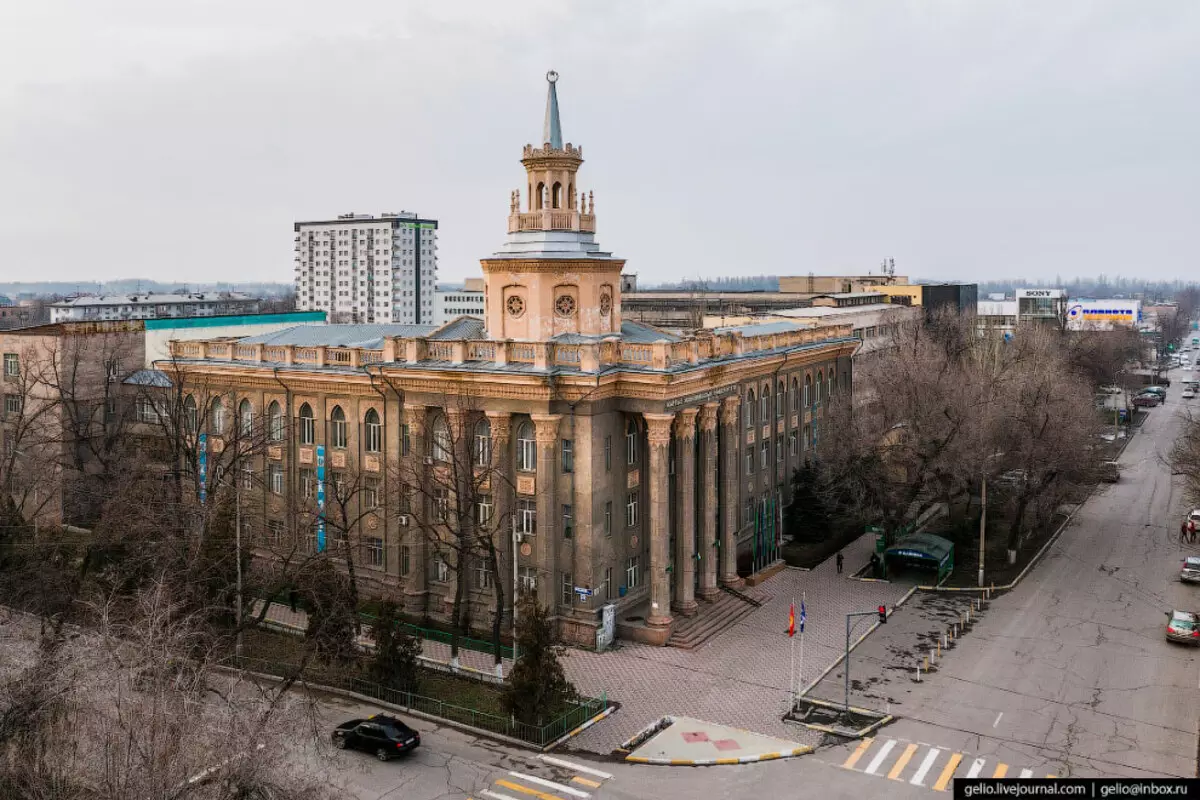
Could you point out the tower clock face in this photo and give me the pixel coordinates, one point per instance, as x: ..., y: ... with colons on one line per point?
x: 605, y: 303
x: 515, y: 306
x: 564, y: 305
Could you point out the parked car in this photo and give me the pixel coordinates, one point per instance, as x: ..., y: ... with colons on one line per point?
x: 1195, y: 516
x: 1158, y: 390
x: 1191, y: 570
x: 1183, y: 626
x: 1188, y: 394
x: 1147, y: 400
x: 1110, y: 472
x: 386, y: 737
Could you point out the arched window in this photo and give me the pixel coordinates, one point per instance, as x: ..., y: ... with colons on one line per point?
x: 780, y: 397
x: 372, y: 431
x: 443, y: 447
x: 246, y: 418
x: 631, y: 442
x: 217, y: 416
x: 807, y: 389
x: 570, y: 195
x: 541, y: 196
x: 275, y: 422
x: 337, y: 427
x: 483, y: 443
x: 795, y: 395
x: 526, y: 448
x: 764, y: 404
x: 308, y: 427
x: 817, y: 387
x: 556, y: 196
x: 829, y: 384
x: 191, y: 416
x: 749, y: 409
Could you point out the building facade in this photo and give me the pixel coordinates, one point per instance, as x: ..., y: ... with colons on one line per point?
x: 463, y: 300
x: 152, y: 306
x: 362, y: 268
x: 631, y: 465
x: 958, y: 298
x: 836, y: 284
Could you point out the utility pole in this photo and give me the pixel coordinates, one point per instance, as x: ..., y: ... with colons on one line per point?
x: 237, y: 516
x: 880, y: 612
x: 515, y: 587
x: 982, y: 528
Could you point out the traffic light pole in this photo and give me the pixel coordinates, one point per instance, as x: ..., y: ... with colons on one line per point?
x: 881, y: 613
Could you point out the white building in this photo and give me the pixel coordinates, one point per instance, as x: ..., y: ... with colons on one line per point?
x: 1103, y: 315
x: 458, y: 300
x: 361, y: 268
x: 152, y: 306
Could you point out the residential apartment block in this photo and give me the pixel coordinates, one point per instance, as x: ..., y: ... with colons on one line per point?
x: 152, y: 306
x: 362, y: 268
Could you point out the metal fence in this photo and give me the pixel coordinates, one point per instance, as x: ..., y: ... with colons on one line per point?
x: 537, y: 735
x: 433, y: 635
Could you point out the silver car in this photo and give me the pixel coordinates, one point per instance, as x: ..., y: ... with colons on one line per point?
x: 1183, y: 626
x: 1191, y: 570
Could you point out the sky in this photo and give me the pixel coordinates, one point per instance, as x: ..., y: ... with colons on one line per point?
x: 967, y: 140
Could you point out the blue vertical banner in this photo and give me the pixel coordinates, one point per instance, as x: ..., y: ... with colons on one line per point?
x: 202, y: 465
x: 320, y: 498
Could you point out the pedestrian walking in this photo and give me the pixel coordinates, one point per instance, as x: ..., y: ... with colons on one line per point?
x: 839, y: 563
x: 1183, y: 531
x: 1192, y: 531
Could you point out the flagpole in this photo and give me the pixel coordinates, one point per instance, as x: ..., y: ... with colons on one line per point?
x: 792, y: 676
x: 803, y: 614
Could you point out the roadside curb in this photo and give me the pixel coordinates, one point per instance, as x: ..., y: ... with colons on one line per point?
x: 580, y: 729
x: 717, y: 762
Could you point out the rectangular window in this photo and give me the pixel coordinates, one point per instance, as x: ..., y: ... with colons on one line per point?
x: 274, y: 532
x: 568, y: 456
x: 12, y: 405
x: 527, y: 517
x: 483, y: 577
x: 608, y: 518
x: 606, y: 587
x: 276, y: 475
x: 527, y: 454
x: 568, y: 589
x: 405, y: 441
x: 441, y: 504
x: 484, y: 507
x: 441, y: 570
x: 405, y: 559
x: 568, y: 522
x: 247, y: 529
x: 793, y: 444
x: 764, y: 454
x: 633, y: 571
x: 405, y: 499
x: 608, y: 454
x: 527, y: 577
x: 247, y: 477
x: 749, y: 461
x: 631, y: 445
x: 308, y: 484
x: 631, y: 509
x: 370, y: 493
x: 374, y: 435
x: 12, y: 365
x: 146, y: 411
x: 483, y: 450
x: 779, y: 449
x: 374, y: 551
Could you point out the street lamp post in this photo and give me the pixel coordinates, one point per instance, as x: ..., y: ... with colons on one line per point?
x: 237, y: 515
x: 514, y: 589
x: 982, y: 528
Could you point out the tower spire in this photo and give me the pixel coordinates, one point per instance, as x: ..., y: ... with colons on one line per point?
x: 552, y: 130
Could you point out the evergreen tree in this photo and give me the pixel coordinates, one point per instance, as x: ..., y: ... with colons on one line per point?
x: 395, y: 664
x: 331, y: 614
x: 537, y: 688
x: 808, y: 518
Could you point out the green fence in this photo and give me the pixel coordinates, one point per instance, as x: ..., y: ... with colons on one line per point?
x: 433, y: 635
x: 538, y: 735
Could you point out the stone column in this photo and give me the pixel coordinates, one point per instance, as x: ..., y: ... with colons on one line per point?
x: 730, y: 431
x: 546, y: 540
x: 415, y: 476
x: 461, y: 480
x: 685, y: 518
x: 501, y: 482
x: 658, y: 434
x: 707, y: 534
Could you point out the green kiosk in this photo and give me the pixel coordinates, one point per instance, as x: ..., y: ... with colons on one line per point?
x: 921, y: 551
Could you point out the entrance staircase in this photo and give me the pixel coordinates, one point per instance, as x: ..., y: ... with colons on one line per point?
x: 714, y: 616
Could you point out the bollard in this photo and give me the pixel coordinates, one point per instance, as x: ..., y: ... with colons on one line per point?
x: 918, y: 673
x: 939, y: 646
x: 932, y: 657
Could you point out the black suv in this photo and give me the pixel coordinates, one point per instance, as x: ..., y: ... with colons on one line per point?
x: 384, y: 736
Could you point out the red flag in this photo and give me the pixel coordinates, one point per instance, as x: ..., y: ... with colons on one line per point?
x: 792, y: 619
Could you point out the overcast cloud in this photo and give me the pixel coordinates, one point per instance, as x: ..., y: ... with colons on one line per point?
x: 179, y: 139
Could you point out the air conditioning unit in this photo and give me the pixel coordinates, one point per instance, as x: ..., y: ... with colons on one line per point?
x: 404, y: 520
x: 520, y: 537
x: 429, y: 461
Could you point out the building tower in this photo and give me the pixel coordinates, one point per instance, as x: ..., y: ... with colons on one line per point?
x: 551, y: 278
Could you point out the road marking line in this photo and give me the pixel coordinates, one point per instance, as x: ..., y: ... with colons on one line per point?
x: 880, y: 756
x: 976, y: 768
x: 948, y: 772
x: 858, y: 753
x: 562, y: 762
x: 1026, y: 773
x: 526, y: 790
x: 1001, y: 771
x: 926, y: 765
x: 558, y: 787
x: 497, y: 795
x: 902, y: 762
x: 1051, y: 777
x: 998, y: 716
x: 586, y: 781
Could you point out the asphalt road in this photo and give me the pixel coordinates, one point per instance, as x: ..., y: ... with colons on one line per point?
x: 1069, y: 674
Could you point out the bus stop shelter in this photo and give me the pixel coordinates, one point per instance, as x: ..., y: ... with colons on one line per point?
x: 924, y: 551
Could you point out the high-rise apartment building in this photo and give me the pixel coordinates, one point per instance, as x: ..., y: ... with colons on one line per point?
x: 362, y: 268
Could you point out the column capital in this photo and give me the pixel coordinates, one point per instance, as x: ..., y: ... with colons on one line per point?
x: 658, y: 428
x: 415, y: 413
x: 729, y: 409
x: 501, y: 422
x: 546, y: 427
x: 708, y: 417
x: 457, y: 417
x: 685, y: 423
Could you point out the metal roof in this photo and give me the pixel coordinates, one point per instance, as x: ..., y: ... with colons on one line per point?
x: 460, y: 328
x: 552, y: 129
x: 762, y: 328
x: 368, y: 337
x: 149, y: 377
x: 641, y: 333
x: 161, y: 299
x: 930, y: 546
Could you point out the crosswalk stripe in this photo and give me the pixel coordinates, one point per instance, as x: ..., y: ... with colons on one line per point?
x: 880, y: 756
x: 902, y: 762
x: 919, y: 778
x: 497, y: 795
x: 562, y: 762
x: 948, y: 772
x: 525, y: 790
x: 858, y: 753
x: 1051, y: 777
x: 976, y: 768
x: 1026, y: 773
x: 586, y: 781
x: 1001, y: 771
x: 558, y: 787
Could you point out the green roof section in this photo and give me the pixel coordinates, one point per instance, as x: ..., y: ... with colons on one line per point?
x: 923, y: 545
x: 284, y: 318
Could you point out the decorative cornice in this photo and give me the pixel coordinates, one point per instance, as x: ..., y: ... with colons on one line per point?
x: 545, y: 265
